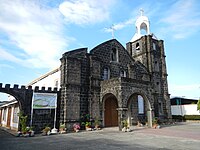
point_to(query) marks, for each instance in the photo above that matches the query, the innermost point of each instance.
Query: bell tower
(142, 26)
(146, 48)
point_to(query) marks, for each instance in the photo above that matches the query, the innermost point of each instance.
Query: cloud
(182, 19)
(9, 57)
(5, 66)
(35, 30)
(120, 25)
(83, 12)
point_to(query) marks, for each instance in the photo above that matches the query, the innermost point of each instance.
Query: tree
(198, 105)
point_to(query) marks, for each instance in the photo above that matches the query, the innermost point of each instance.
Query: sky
(35, 33)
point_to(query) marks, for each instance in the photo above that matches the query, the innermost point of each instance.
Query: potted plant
(86, 122)
(62, 128)
(22, 121)
(29, 131)
(76, 127)
(97, 124)
(46, 131)
(155, 123)
(87, 125)
(25, 130)
(125, 125)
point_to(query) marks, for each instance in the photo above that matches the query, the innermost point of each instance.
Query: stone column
(122, 115)
(150, 117)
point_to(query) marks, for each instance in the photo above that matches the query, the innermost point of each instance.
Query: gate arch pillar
(122, 115)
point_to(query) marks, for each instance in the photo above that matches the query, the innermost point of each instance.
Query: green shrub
(22, 121)
(192, 117)
(177, 117)
(186, 117)
(198, 105)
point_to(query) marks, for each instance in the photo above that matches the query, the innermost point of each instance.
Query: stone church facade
(113, 83)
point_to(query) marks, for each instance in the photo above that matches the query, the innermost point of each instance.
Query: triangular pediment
(112, 42)
(104, 52)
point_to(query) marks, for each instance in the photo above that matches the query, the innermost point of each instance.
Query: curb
(12, 132)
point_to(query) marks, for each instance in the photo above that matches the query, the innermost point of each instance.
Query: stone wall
(75, 72)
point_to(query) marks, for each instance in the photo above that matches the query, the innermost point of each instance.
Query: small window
(56, 83)
(114, 54)
(137, 46)
(15, 114)
(156, 66)
(160, 108)
(106, 73)
(154, 46)
(122, 73)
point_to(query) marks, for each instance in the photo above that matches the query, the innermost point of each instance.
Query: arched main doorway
(110, 111)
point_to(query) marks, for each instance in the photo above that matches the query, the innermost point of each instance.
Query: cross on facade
(112, 30)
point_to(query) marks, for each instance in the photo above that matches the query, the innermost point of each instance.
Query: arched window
(114, 55)
(140, 105)
(137, 46)
(143, 29)
(106, 73)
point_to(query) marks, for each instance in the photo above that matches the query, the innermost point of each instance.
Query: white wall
(13, 125)
(190, 109)
(49, 81)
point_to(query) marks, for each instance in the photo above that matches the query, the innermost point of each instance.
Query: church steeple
(142, 24)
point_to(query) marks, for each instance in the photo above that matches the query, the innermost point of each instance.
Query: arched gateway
(24, 96)
(139, 110)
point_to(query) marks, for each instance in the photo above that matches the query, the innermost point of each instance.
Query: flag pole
(31, 122)
(54, 130)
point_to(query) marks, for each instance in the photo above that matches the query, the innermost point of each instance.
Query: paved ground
(185, 136)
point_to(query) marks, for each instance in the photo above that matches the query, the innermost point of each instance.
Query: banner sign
(44, 100)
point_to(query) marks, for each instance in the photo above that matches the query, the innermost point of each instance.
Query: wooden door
(111, 113)
(9, 117)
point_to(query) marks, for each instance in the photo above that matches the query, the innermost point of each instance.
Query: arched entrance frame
(148, 109)
(104, 98)
(20, 94)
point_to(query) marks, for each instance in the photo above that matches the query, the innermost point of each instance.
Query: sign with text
(44, 100)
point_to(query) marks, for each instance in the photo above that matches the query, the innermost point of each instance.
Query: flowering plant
(76, 126)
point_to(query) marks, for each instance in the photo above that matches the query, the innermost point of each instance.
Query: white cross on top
(141, 11)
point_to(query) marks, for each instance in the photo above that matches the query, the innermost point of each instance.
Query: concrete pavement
(185, 136)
